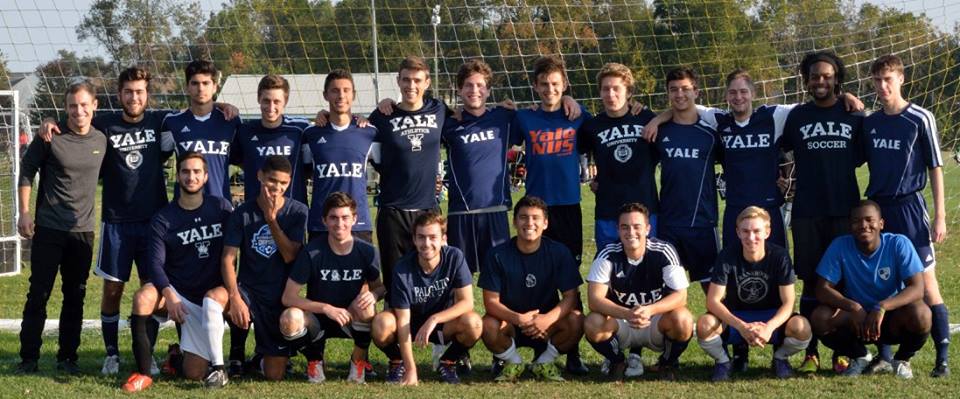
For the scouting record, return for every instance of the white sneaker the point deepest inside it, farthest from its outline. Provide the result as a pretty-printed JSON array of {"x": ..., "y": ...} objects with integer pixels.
[
  {"x": 634, "y": 366},
  {"x": 111, "y": 365},
  {"x": 902, "y": 369},
  {"x": 154, "y": 370},
  {"x": 437, "y": 352},
  {"x": 315, "y": 372},
  {"x": 358, "y": 372}
]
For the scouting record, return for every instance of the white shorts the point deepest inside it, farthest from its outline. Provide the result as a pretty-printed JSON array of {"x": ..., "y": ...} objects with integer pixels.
[
  {"x": 648, "y": 337},
  {"x": 193, "y": 335}
]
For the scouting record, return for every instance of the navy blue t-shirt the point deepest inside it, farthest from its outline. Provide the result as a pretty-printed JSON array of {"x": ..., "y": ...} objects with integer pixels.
[
  {"x": 553, "y": 165},
  {"x": 753, "y": 286},
  {"x": 643, "y": 281},
  {"x": 827, "y": 149},
  {"x": 262, "y": 271},
  {"x": 335, "y": 279},
  {"x": 132, "y": 170},
  {"x": 533, "y": 281},
  {"x": 210, "y": 135},
  {"x": 254, "y": 143},
  {"x": 688, "y": 179},
  {"x": 409, "y": 155},
  {"x": 428, "y": 294},
  {"x": 339, "y": 159},
  {"x": 184, "y": 247},
  {"x": 477, "y": 153},
  {"x": 900, "y": 149},
  {"x": 626, "y": 163}
]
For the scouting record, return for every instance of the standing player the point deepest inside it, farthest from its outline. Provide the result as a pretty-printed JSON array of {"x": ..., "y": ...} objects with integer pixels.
[
  {"x": 185, "y": 240},
  {"x": 625, "y": 162},
  {"x": 688, "y": 149},
  {"x": 521, "y": 280},
  {"x": 431, "y": 302},
  {"x": 267, "y": 232},
  {"x": 826, "y": 144},
  {"x": 637, "y": 291},
  {"x": 750, "y": 311},
  {"x": 338, "y": 152},
  {"x": 871, "y": 291},
  {"x": 902, "y": 148},
  {"x": 62, "y": 239},
  {"x": 204, "y": 128},
  {"x": 343, "y": 286}
]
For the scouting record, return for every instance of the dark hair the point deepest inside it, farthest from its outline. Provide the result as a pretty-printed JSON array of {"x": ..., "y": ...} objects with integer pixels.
[
  {"x": 889, "y": 62},
  {"x": 529, "y": 201},
  {"x": 635, "y": 207},
  {"x": 337, "y": 74},
  {"x": 865, "y": 203},
  {"x": 191, "y": 155},
  {"x": 549, "y": 64},
  {"x": 430, "y": 217},
  {"x": 471, "y": 67},
  {"x": 271, "y": 82},
  {"x": 840, "y": 71},
  {"x": 740, "y": 73},
  {"x": 681, "y": 73},
  {"x": 78, "y": 87},
  {"x": 277, "y": 163},
  {"x": 202, "y": 67},
  {"x": 415, "y": 63},
  {"x": 339, "y": 199},
  {"x": 133, "y": 74}
]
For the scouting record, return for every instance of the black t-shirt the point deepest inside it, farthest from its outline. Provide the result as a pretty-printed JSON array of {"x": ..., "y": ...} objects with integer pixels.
[
  {"x": 428, "y": 294},
  {"x": 753, "y": 286},
  {"x": 335, "y": 279},
  {"x": 533, "y": 281}
]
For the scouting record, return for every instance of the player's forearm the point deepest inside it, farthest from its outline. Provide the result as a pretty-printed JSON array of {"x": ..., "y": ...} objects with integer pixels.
[
  {"x": 228, "y": 271},
  {"x": 788, "y": 295},
  {"x": 675, "y": 300},
  {"x": 828, "y": 295},
  {"x": 377, "y": 289},
  {"x": 23, "y": 192},
  {"x": 288, "y": 249},
  {"x": 597, "y": 302},
  {"x": 459, "y": 308},
  {"x": 936, "y": 184},
  {"x": 720, "y": 311},
  {"x": 913, "y": 292},
  {"x": 405, "y": 342},
  {"x": 500, "y": 312}
]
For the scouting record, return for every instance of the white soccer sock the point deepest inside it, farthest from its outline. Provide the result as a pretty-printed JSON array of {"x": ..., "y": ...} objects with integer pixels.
[
  {"x": 790, "y": 346},
  {"x": 548, "y": 355},
  {"x": 213, "y": 325},
  {"x": 714, "y": 348},
  {"x": 510, "y": 355}
]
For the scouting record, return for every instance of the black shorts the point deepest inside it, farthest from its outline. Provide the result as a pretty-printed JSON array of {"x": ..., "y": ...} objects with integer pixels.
[
  {"x": 436, "y": 337},
  {"x": 811, "y": 238},
  {"x": 265, "y": 316},
  {"x": 522, "y": 340},
  {"x": 394, "y": 238},
  {"x": 566, "y": 226},
  {"x": 476, "y": 233},
  {"x": 361, "y": 235}
]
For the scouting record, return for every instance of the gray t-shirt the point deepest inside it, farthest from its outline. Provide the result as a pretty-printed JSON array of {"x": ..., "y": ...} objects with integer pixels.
[{"x": 69, "y": 167}]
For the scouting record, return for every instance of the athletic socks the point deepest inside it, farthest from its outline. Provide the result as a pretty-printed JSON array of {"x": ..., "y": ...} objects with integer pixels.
[
  {"x": 673, "y": 350},
  {"x": 940, "y": 332},
  {"x": 238, "y": 342},
  {"x": 844, "y": 343},
  {"x": 454, "y": 352},
  {"x": 885, "y": 352},
  {"x": 549, "y": 354},
  {"x": 714, "y": 347},
  {"x": 610, "y": 349},
  {"x": 392, "y": 352},
  {"x": 361, "y": 334},
  {"x": 153, "y": 329},
  {"x": 807, "y": 305},
  {"x": 109, "y": 326},
  {"x": 790, "y": 346},
  {"x": 510, "y": 355},
  {"x": 910, "y": 343},
  {"x": 213, "y": 325},
  {"x": 142, "y": 352}
]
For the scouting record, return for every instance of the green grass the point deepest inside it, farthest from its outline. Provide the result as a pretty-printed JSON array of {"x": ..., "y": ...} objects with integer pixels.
[{"x": 694, "y": 378}]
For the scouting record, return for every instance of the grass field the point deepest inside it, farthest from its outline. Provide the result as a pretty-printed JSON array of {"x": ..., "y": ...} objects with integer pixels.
[{"x": 694, "y": 376}]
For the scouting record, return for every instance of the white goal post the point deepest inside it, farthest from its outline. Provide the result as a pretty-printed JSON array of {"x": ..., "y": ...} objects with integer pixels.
[{"x": 10, "y": 129}]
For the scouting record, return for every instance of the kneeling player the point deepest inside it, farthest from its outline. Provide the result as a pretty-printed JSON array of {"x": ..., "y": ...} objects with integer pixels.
[
  {"x": 184, "y": 245},
  {"x": 871, "y": 289},
  {"x": 637, "y": 292},
  {"x": 521, "y": 279},
  {"x": 343, "y": 285},
  {"x": 432, "y": 302},
  {"x": 753, "y": 314}
]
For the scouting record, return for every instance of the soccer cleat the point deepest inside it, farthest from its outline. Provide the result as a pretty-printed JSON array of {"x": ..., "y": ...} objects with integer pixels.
[
  {"x": 782, "y": 368},
  {"x": 358, "y": 371},
  {"x": 369, "y": 371},
  {"x": 464, "y": 365},
  {"x": 741, "y": 358},
  {"x": 216, "y": 379},
  {"x": 448, "y": 372},
  {"x": 879, "y": 366},
  {"x": 605, "y": 367},
  {"x": 634, "y": 365},
  {"x": 667, "y": 371},
  {"x": 547, "y": 372},
  {"x": 575, "y": 365},
  {"x": 941, "y": 370},
  {"x": 810, "y": 364},
  {"x": 111, "y": 365},
  {"x": 235, "y": 369},
  {"x": 857, "y": 366},
  {"x": 840, "y": 364},
  {"x": 721, "y": 371},
  {"x": 137, "y": 382},
  {"x": 511, "y": 372},
  {"x": 315, "y": 372},
  {"x": 618, "y": 371},
  {"x": 395, "y": 373},
  {"x": 174, "y": 359},
  {"x": 27, "y": 367},
  {"x": 496, "y": 366},
  {"x": 154, "y": 370},
  {"x": 68, "y": 367},
  {"x": 902, "y": 369}
]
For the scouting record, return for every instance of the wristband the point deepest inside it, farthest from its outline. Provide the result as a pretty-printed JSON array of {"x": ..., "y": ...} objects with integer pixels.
[{"x": 877, "y": 308}]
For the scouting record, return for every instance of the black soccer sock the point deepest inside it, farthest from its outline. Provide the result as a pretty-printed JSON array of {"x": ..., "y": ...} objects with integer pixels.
[
  {"x": 361, "y": 339},
  {"x": 910, "y": 343},
  {"x": 844, "y": 343},
  {"x": 141, "y": 343},
  {"x": 610, "y": 349},
  {"x": 153, "y": 329},
  {"x": 885, "y": 352},
  {"x": 313, "y": 350},
  {"x": 109, "y": 326},
  {"x": 539, "y": 346},
  {"x": 392, "y": 352},
  {"x": 940, "y": 332},
  {"x": 454, "y": 352},
  {"x": 671, "y": 355},
  {"x": 807, "y": 305},
  {"x": 238, "y": 342}
]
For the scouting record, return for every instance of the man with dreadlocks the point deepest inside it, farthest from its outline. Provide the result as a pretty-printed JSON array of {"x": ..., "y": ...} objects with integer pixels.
[{"x": 826, "y": 143}]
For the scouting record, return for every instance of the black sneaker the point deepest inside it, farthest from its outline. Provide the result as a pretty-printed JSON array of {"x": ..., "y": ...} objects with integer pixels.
[
  {"x": 496, "y": 366},
  {"x": 448, "y": 372},
  {"x": 68, "y": 367},
  {"x": 464, "y": 366},
  {"x": 942, "y": 370},
  {"x": 575, "y": 365},
  {"x": 27, "y": 367},
  {"x": 741, "y": 358},
  {"x": 235, "y": 369}
]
